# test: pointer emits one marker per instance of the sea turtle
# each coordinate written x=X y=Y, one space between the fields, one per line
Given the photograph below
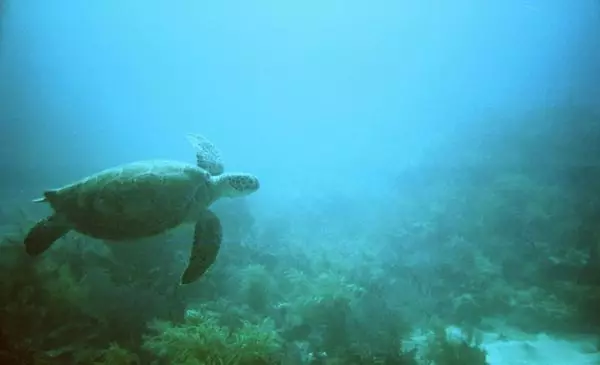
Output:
x=143 y=199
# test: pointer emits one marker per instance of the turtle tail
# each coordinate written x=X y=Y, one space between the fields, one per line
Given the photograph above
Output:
x=44 y=234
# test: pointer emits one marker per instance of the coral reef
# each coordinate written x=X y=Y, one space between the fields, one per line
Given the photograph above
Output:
x=500 y=251
x=202 y=339
x=448 y=348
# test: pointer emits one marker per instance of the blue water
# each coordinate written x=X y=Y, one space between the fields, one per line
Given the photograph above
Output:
x=281 y=87
x=384 y=133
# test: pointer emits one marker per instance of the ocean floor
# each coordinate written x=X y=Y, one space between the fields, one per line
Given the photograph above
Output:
x=541 y=350
x=513 y=347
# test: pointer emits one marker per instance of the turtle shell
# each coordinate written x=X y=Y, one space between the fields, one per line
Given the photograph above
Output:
x=135 y=200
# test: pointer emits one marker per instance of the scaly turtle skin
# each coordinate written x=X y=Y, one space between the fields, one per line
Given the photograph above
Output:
x=143 y=199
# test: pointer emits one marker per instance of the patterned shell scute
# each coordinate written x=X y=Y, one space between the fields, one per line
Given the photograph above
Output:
x=135 y=200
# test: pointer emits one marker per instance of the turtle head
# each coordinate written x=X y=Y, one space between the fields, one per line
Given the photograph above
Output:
x=235 y=184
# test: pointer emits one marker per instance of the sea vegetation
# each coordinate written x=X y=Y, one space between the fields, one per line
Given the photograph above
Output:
x=446 y=348
x=481 y=247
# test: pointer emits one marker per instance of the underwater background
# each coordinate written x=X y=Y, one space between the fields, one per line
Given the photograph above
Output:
x=429 y=180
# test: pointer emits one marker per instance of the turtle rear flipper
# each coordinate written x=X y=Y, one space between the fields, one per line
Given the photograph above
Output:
x=208 y=235
x=45 y=233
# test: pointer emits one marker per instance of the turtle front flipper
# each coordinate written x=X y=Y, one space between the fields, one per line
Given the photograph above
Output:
x=208 y=235
x=45 y=233
x=208 y=157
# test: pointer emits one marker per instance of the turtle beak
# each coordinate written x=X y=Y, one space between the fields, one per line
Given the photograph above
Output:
x=256 y=184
